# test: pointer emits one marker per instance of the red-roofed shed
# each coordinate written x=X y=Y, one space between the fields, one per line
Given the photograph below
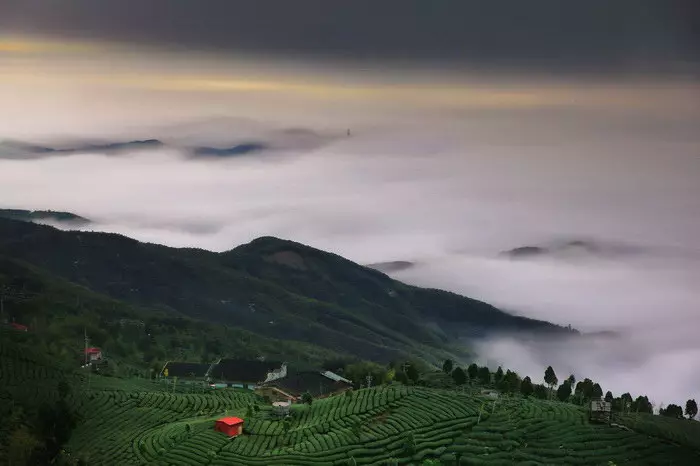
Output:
x=20 y=327
x=230 y=426
x=93 y=353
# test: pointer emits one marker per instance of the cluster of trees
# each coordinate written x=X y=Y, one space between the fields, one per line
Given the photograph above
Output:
x=585 y=389
x=570 y=390
x=673 y=410
x=588 y=390
x=508 y=381
x=365 y=373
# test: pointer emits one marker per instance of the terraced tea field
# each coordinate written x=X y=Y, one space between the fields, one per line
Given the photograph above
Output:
x=137 y=427
x=137 y=422
x=383 y=425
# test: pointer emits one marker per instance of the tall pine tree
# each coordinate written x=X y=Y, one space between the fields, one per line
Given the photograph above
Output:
x=691 y=409
x=550 y=378
x=459 y=376
x=526 y=387
x=447 y=366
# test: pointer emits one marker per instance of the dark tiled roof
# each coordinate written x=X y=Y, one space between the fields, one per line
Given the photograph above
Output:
x=313 y=382
x=186 y=369
x=241 y=370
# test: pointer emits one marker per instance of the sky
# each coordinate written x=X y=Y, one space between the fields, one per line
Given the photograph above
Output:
x=474 y=128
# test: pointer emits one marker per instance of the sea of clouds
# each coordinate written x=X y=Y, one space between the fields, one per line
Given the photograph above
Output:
x=448 y=192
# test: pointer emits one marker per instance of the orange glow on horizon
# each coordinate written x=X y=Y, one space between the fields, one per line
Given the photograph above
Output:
x=29 y=45
x=76 y=64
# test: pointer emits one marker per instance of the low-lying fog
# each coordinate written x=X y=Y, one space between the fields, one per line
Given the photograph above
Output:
x=446 y=189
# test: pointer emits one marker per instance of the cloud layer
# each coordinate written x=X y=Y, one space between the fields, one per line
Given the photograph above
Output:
x=450 y=205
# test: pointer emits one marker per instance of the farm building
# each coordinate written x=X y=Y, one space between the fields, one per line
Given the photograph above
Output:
x=245 y=373
x=186 y=370
x=281 y=408
x=490 y=393
x=600 y=411
x=318 y=384
x=93 y=354
x=19 y=327
x=231 y=426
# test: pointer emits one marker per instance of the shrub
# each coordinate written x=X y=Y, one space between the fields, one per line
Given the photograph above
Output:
x=306 y=398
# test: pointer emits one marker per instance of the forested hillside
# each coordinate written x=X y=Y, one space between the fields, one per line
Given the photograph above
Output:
x=266 y=291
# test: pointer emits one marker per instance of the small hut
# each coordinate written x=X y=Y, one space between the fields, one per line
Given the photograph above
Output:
x=231 y=426
x=600 y=411
x=19 y=327
x=281 y=408
x=93 y=354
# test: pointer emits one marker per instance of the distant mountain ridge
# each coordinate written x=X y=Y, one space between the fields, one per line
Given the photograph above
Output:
x=20 y=150
x=392 y=266
x=43 y=216
x=239 y=149
x=192 y=140
x=573 y=248
x=274 y=288
x=16 y=149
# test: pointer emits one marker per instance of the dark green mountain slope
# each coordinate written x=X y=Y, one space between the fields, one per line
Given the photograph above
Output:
x=331 y=278
x=273 y=288
x=59 y=313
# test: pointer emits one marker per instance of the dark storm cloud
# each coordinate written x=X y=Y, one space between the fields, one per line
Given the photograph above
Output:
x=599 y=35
